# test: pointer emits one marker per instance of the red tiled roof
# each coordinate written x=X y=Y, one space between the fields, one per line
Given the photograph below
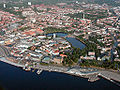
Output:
x=39 y=30
x=63 y=55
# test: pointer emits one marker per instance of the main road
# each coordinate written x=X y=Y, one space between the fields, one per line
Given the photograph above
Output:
x=4 y=52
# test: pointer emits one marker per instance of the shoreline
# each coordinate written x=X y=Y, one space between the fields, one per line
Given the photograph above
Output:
x=111 y=76
x=81 y=41
x=49 y=68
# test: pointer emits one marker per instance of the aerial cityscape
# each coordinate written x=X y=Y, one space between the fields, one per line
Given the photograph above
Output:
x=51 y=44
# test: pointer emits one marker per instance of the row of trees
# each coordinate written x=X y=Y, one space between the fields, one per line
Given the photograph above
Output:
x=89 y=47
x=94 y=39
x=72 y=57
x=103 y=64
x=54 y=30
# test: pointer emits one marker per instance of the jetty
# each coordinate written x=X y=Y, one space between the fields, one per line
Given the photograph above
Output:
x=93 y=78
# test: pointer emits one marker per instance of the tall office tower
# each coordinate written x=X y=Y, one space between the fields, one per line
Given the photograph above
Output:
x=54 y=35
x=83 y=15
x=4 y=5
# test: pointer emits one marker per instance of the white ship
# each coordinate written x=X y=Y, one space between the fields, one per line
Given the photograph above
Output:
x=26 y=68
x=39 y=71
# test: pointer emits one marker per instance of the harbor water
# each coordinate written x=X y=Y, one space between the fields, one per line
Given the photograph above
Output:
x=14 y=78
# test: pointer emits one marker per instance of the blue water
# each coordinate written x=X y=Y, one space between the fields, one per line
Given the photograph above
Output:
x=75 y=43
x=13 y=78
x=57 y=34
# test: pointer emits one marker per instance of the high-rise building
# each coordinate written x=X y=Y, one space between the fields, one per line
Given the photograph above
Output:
x=54 y=35
x=77 y=2
x=83 y=15
x=4 y=5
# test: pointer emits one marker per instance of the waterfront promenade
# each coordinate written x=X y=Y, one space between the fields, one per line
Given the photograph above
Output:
x=49 y=68
x=103 y=73
x=110 y=75
x=106 y=74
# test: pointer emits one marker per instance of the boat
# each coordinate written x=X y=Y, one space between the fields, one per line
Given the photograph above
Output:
x=33 y=70
x=39 y=71
x=27 y=68
x=24 y=68
x=49 y=70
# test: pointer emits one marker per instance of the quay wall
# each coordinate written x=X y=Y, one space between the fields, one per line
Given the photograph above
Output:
x=110 y=75
x=105 y=74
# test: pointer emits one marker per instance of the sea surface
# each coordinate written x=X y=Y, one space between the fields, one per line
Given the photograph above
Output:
x=14 y=78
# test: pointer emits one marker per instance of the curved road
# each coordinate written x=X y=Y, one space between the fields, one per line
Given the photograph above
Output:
x=4 y=52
